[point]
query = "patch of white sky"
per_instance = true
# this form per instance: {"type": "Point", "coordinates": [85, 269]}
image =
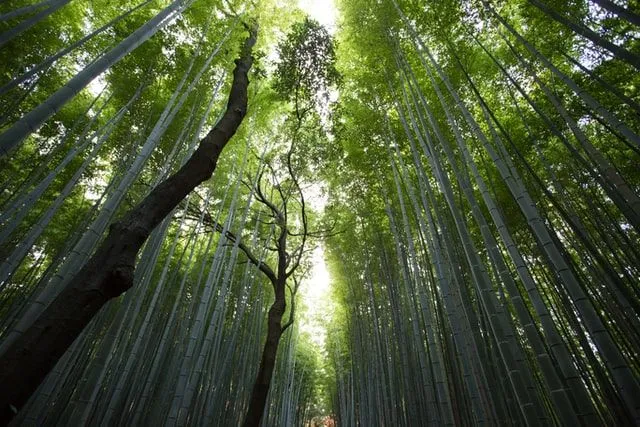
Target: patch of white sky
{"type": "Point", "coordinates": [315, 289]}
{"type": "Point", "coordinates": [323, 11]}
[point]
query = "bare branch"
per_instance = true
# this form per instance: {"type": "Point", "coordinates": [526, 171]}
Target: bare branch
{"type": "Point", "coordinates": [293, 292]}
{"type": "Point", "coordinates": [303, 211]}
{"type": "Point", "coordinates": [265, 201]}
{"type": "Point", "coordinates": [262, 266]}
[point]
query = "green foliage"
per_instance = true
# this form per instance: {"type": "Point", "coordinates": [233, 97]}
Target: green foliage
{"type": "Point", "coordinates": [397, 255]}
{"type": "Point", "coordinates": [305, 72]}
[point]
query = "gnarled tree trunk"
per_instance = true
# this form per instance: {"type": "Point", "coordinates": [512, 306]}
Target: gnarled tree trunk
{"type": "Point", "coordinates": [268, 361]}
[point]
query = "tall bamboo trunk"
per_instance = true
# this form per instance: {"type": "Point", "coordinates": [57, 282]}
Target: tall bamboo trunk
{"type": "Point", "coordinates": [31, 121]}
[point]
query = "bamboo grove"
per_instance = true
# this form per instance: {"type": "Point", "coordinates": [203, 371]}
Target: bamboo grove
{"type": "Point", "coordinates": [502, 287]}
{"type": "Point", "coordinates": [480, 172]}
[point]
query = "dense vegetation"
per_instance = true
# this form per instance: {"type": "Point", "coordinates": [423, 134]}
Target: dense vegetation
{"type": "Point", "coordinates": [478, 163]}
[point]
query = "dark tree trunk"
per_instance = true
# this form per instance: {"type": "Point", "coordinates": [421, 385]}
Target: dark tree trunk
{"type": "Point", "coordinates": [110, 270]}
{"type": "Point", "coordinates": [268, 362]}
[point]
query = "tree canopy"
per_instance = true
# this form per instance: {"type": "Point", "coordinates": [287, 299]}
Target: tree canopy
{"type": "Point", "coordinates": [468, 168]}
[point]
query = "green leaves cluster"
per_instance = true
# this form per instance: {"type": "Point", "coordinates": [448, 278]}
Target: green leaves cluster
{"type": "Point", "coordinates": [306, 72]}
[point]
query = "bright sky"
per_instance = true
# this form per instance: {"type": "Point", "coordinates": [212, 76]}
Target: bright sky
{"type": "Point", "coordinates": [315, 296]}
{"type": "Point", "coordinates": [323, 11]}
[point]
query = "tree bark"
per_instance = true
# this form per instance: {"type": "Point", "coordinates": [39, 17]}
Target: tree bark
{"type": "Point", "coordinates": [110, 270]}
{"type": "Point", "coordinates": [268, 362]}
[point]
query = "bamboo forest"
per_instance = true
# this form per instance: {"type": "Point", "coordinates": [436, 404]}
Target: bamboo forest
{"type": "Point", "coordinates": [320, 213]}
